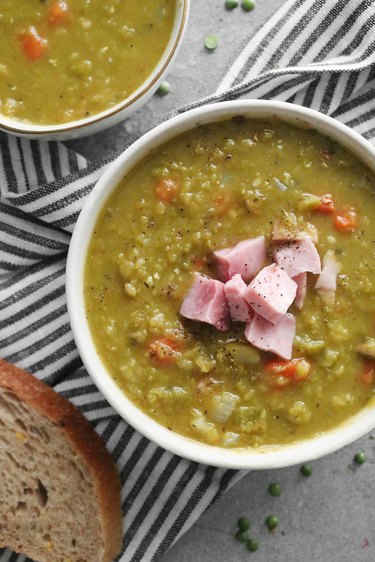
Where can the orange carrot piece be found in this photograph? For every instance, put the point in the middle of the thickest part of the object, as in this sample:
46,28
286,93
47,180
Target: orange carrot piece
346,220
327,206
33,45
288,372
58,13
286,368
167,190
165,350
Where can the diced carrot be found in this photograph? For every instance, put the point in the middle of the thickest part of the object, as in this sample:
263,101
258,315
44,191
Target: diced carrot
346,220
33,45
165,350
327,206
58,13
368,373
288,372
167,190
286,368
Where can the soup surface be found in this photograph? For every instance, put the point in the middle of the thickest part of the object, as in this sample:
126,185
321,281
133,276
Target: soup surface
207,190
63,60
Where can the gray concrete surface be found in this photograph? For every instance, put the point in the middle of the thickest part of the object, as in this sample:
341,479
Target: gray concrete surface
329,517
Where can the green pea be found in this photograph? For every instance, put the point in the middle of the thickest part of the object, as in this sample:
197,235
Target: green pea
252,545
242,536
211,42
274,489
306,470
248,5
231,4
360,457
243,524
164,88
272,522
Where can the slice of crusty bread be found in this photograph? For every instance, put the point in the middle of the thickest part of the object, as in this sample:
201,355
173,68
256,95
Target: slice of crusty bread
59,488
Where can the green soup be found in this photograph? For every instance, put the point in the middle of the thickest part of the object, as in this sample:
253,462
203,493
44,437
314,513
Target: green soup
63,60
208,190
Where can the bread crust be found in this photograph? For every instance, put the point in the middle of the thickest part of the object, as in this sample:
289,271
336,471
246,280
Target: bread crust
83,439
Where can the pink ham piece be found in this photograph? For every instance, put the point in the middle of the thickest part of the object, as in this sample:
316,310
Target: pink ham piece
246,258
239,309
297,257
275,338
301,281
271,293
326,283
206,302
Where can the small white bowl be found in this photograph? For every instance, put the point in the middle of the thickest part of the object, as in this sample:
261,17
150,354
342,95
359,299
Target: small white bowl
246,458
113,115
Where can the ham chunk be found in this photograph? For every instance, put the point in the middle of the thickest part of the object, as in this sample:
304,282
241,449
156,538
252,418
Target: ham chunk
275,338
301,281
206,302
238,307
326,283
297,257
271,293
246,258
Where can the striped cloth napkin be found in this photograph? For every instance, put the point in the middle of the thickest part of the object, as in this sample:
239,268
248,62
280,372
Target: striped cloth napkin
318,53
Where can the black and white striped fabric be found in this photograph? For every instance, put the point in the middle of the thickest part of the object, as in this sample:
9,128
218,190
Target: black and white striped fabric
319,53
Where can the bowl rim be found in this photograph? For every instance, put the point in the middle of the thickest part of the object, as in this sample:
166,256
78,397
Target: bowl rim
38,131
270,456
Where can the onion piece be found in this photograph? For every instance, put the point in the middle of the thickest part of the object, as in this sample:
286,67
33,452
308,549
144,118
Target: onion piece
222,406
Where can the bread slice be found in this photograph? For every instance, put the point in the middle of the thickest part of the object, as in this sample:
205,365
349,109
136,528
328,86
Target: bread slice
59,488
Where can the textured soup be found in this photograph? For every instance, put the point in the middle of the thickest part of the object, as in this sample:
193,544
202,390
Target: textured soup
63,60
207,190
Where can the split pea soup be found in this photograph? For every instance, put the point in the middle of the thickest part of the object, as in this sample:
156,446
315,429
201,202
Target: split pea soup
207,190
64,60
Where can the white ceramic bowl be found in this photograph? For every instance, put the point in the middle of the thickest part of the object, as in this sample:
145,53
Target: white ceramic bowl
265,457
113,115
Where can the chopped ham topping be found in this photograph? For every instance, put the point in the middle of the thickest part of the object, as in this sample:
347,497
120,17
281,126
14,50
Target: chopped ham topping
301,281
271,293
264,302
246,258
326,283
234,289
276,338
297,257
206,302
